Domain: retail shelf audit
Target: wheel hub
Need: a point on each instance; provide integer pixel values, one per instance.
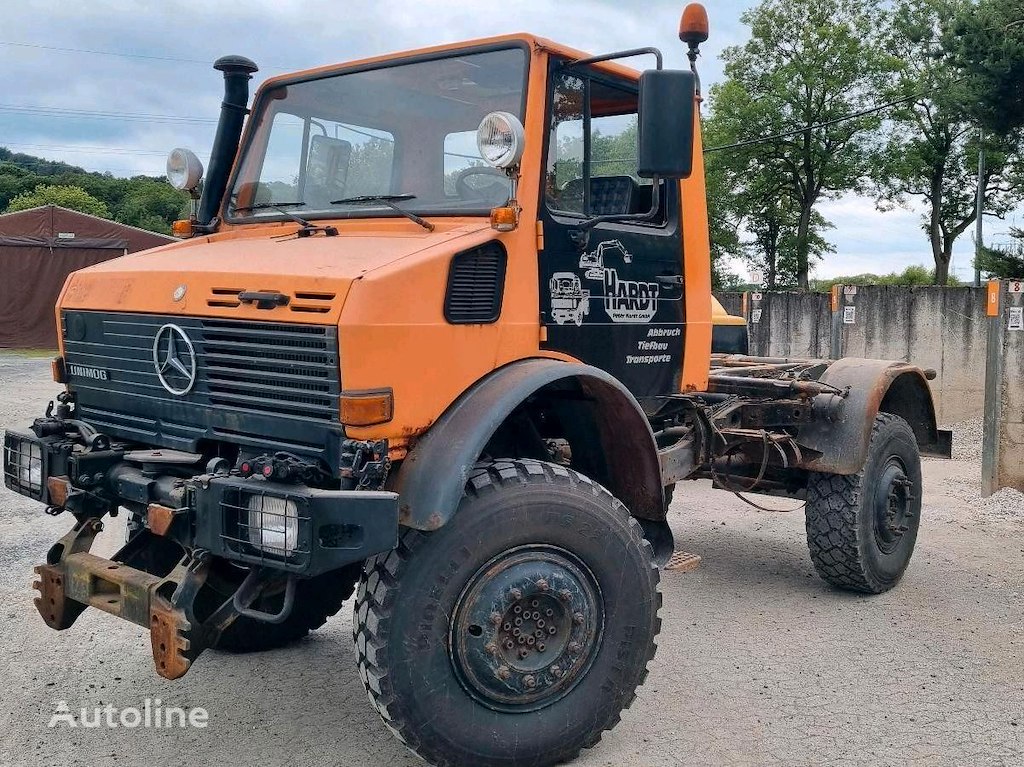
(526, 628)
(893, 505)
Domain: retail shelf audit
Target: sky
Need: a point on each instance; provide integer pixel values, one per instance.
(138, 81)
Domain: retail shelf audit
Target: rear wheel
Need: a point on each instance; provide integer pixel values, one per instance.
(517, 633)
(861, 528)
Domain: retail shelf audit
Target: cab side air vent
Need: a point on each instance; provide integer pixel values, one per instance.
(476, 283)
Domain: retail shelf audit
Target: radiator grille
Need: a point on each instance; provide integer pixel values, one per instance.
(255, 382)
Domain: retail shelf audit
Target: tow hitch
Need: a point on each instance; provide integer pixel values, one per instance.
(73, 579)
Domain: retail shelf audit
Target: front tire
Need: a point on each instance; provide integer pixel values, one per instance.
(517, 633)
(316, 600)
(862, 528)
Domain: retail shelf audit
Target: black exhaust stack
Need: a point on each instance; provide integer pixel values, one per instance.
(238, 71)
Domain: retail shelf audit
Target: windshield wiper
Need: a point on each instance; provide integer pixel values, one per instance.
(389, 200)
(308, 227)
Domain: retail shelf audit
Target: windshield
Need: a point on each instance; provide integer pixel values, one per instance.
(319, 148)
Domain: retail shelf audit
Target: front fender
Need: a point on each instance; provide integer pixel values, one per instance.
(875, 386)
(432, 477)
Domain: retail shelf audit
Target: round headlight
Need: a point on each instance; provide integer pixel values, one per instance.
(273, 524)
(500, 139)
(184, 169)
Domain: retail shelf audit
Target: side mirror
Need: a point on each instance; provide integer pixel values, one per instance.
(666, 106)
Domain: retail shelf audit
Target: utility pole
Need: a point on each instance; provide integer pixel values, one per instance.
(979, 207)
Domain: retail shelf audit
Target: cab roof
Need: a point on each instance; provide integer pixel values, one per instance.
(535, 43)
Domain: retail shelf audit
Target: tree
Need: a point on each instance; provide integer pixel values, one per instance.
(914, 275)
(807, 63)
(932, 148)
(986, 42)
(752, 213)
(73, 197)
(1003, 261)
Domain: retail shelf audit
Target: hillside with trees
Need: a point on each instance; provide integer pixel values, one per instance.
(147, 202)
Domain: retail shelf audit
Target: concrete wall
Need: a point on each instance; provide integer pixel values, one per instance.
(1003, 436)
(939, 328)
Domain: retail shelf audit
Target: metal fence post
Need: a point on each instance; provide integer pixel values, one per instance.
(990, 442)
(835, 341)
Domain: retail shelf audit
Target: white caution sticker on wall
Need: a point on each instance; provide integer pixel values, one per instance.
(1016, 318)
(755, 315)
(849, 315)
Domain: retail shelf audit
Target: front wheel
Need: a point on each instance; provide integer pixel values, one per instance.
(861, 528)
(517, 633)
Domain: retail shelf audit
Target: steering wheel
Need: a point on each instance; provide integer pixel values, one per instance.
(483, 183)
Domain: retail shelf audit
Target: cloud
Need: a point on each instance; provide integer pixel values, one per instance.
(283, 35)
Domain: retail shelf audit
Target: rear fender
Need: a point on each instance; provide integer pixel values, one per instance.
(624, 455)
(875, 386)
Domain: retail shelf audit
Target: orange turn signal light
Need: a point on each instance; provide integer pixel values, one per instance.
(182, 228)
(58, 369)
(504, 219)
(367, 408)
(59, 489)
(694, 27)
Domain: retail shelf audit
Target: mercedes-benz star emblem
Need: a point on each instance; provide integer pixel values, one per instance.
(175, 359)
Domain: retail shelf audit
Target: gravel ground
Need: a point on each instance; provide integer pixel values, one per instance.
(759, 662)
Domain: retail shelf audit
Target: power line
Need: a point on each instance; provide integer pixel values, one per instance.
(103, 53)
(87, 149)
(817, 126)
(120, 54)
(98, 115)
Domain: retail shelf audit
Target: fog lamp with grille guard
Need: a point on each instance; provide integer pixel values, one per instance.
(24, 469)
(273, 524)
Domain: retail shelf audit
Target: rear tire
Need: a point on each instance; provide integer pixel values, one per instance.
(517, 633)
(861, 528)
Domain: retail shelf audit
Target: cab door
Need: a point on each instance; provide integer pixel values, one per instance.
(630, 271)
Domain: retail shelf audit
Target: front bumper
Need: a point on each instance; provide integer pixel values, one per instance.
(277, 532)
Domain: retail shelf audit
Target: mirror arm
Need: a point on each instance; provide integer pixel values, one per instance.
(617, 55)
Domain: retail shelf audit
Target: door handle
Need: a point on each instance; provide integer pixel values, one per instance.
(670, 279)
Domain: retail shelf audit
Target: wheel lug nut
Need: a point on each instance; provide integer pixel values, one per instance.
(574, 647)
(556, 672)
(541, 647)
(504, 672)
(496, 619)
(516, 594)
(491, 648)
(577, 618)
(529, 681)
(542, 585)
(564, 595)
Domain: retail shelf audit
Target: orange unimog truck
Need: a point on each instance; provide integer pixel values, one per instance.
(348, 378)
